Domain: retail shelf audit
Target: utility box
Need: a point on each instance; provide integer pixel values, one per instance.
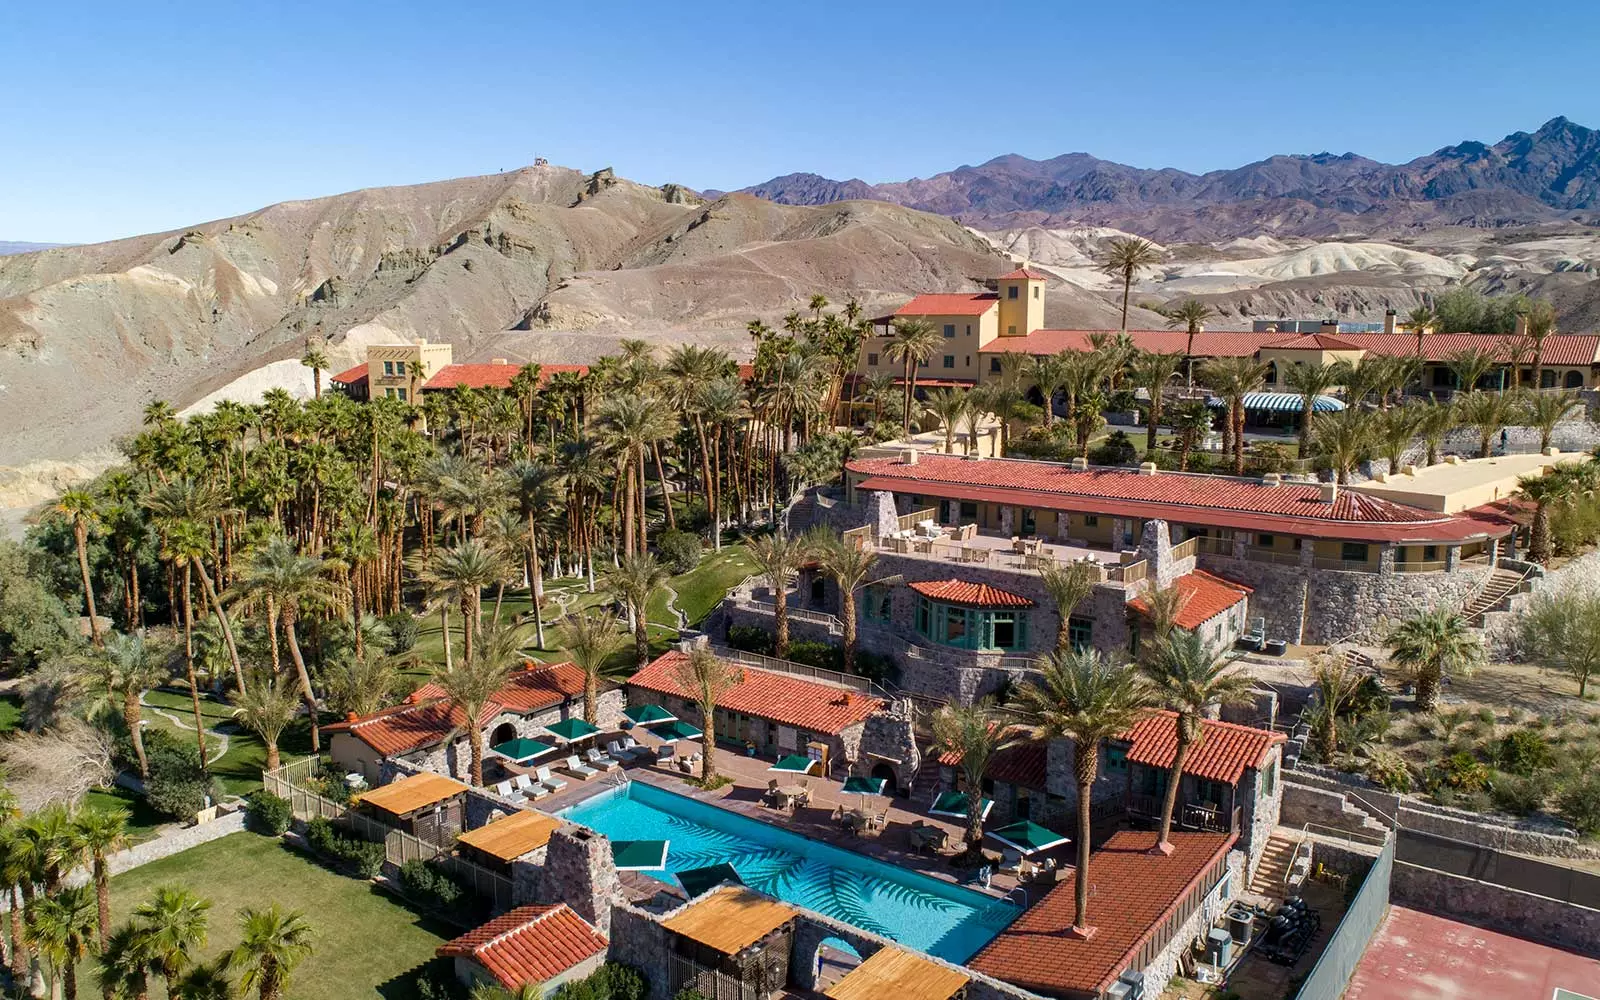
(1219, 946)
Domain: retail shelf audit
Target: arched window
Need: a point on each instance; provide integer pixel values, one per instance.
(1574, 380)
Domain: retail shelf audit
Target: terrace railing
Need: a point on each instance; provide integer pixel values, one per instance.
(1185, 549)
(1424, 566)
(1207, 545)
(1344, 565)
(1257, 554)
(798, 669)
(916, 517)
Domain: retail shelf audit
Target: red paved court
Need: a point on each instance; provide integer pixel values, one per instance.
(1417, 956)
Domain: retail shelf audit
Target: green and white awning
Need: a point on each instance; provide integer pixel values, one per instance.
(571, 730)
(954, 805)
(1279, 402)
(521, 749)
(1026, 837)
(795, 764)
(648, 715)
(639, 855)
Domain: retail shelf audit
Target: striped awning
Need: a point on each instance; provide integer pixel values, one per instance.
(1279, 402)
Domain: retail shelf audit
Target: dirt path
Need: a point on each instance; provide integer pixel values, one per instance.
(216, 743)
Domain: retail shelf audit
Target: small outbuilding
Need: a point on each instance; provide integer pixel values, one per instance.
(542, 945)
(731, 933)
(427, 805)
(496, 844)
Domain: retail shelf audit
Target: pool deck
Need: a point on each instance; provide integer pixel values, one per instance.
(750, 776)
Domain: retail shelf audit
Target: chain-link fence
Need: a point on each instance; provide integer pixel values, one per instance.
(1331, 974)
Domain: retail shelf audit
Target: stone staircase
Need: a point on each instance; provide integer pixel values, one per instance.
(1499, 588)
(926, 784)
(1273, 871)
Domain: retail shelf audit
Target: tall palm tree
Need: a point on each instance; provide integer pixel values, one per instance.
(117, 679)
(1544, 491)
(778, 556)
(634, 423)
(103, 832)
(470, 684)
(318, 362)
(705, 677)
(1085, 699)
(1435, 420)
(60, 930)
(1433, 645)
(914, 342)
(1191, 314)
(1419, 322)
(1488, 411)
(1541, 323)
(1393, 431)
(267, 708)
(458, 575)
(1471, 367)
(1310, 381)
(635, 580)
(186, 544)
(1192, 420)
(271, 943)
(1232, 379)
(1049, 374)
(125, 963)
(1187, 676)
(535, 485)
(949, 405)
(591, 637)
(176, 921)
(974, 733)
(83, 510)
(1546, 409)
(1151, 372)
(849, 567)
(188, 547)
(1342, 439)
(1068, 584)
(206, 981)
(1124, 257)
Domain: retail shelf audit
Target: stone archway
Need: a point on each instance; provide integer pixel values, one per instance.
(502, 733)
(890, 775)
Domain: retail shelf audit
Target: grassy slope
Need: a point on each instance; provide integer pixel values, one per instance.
(239, 769)
(364, 939)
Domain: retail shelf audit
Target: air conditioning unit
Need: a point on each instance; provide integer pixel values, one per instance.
(1134, 980)
(1119, 991)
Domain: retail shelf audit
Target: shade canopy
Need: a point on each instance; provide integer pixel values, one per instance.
(795, 764)
(677, 729)
(954, 804)
(1280, 402)
(861, 785)
(570, 730)
(1026, 837)
(648, 715)
(639, 855)
(698, 880)
(521, 748)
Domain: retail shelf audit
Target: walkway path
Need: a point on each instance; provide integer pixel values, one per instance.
(216, 742)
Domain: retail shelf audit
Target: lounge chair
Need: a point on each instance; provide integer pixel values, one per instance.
(620, 753)
(554, 784)
(529, 789)
(599, 760)
(507, 791)
(630, 745)
(770, 796)
(577, 768)
(1011, 862)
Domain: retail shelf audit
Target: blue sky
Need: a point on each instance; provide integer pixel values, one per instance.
(123, 118)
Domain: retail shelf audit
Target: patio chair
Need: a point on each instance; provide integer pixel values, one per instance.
(543, 774)
(506, 790)
(626, 754)
(577, 768)
(1011, 862)
(529, 788)
(770, 796)
(631, 745)
(599, 760)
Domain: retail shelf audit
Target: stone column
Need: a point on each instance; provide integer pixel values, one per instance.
(1452, 556)
(578, 871)
(1241, 541)
(1005, 519)
(885, 521)
(1119, 530)
(1155, 547)
(1308, 553)
(1386, 554)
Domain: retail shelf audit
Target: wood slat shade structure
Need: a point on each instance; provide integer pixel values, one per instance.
(418, 791)
(895, 972)
(730, 919)
(510, 837)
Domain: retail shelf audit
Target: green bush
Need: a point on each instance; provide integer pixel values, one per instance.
(1268, 456)
(268, 813)
(751, 639)
(402, 630)
(680, 550)
(1116, 449)
(612, 981)
(1464, 773)
(176, 786)
(817, 654)
(1390, 770)
(430, 885)
(1524, 752)
(362, 857)
(1520, 795)
(1578, 802)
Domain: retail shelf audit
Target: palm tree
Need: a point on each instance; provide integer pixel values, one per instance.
(778, 557)
(539, 500)
(1232, 379)
(103, 832)
(1436, 419)
(705, 678)
(206, 981)
(1342, 438)
(318, 362)
(1544, 491)
(1050, 373)
(635, 580)
(60, 929)
(1124, 257)
(849, 567)
(949, 405)
(188, 547)
(591, 637)
(974, 733)
(1335, 683)
(1191, 419)
(459, 575)
(1394, 429)
(83, 510)
(1419, 322)
(267, 708)
(914, 342)
(1186, 676)
(1310, 381)
(1151, 372)
(118, 677)
(1471, 367)
(1541, 323)
(1433, 645)
(1488, 411)
(1088, 700)
(176, 921)
(1546, 409)
(1068, 584)
(1190, 314)
(470, 684)
(271, 943)
(125, 963)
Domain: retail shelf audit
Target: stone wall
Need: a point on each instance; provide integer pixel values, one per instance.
(1160, 972)
(639, 940)
(1260, 809)
(455, 759)
(1522, 914)
(889, 737)
(176, 841)
(578, 871)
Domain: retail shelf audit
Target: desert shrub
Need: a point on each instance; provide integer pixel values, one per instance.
(1268, 456)
(361, 857)
(177, 784)
(751, 639)
(1390, 770)
(432, 886)
(1523, 751)
(612, 981)
(436, 981)
(1116, 449)
(680, 550)
(1485, 716)
(1464, 773)
(1520, 795)
(1578, 802)
(402, 627)
(268, 813)
(817, 654)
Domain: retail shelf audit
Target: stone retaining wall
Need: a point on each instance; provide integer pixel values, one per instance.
(176, 842)
(1497, 907)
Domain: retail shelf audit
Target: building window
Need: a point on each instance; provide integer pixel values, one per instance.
(400, 394)
(949, 329)
(1269, 778)
(1035, 291)
(994, 366)
(923, 363)
(1353, 552)
(1029, 526)
(1080, 633)
(819, 591)
(969, 361)
(972, 628)
(1116, 759)
(388, 367)
(924, 617)
(1574, 380)
(1265, 541)
(969, 512)
(872, 361)
(1271, 377)
(969, 329)
(949, 360)
(1011, 291)
(878, 603)
(1430, 553)
(1091, 520)
(399, 367)
(1011, 330)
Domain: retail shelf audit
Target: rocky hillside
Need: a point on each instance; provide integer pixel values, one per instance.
(1526, 178)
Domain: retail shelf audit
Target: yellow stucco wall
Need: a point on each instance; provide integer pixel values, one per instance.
(1025, 313)
(970, 332)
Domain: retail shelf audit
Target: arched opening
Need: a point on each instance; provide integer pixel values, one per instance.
(1574, 380)
(890, 777)
(502, 733)
(834, 960)
(819, 591)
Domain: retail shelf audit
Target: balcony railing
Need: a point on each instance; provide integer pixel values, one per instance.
(916, 517)
(1207, 545)
(1132, 572)
(1184, 550)
(1424, 566)
(1345, 565)
(1256, 553)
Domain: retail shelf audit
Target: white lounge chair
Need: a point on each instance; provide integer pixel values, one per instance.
(621, 753)
(529, 789)
(577, 768)
(600, 760)
(506, 790)
(554, 784)
(631, 745)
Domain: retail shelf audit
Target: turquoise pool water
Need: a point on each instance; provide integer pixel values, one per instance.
(941, 919)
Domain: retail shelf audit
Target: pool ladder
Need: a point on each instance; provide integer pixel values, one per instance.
(619, 779)
(1015, 891)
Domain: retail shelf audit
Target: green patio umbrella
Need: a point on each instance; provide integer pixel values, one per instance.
(639, 855)
(954, 804)
(648, 715)
(859, 785)
(794, 764)
(677, 729)
(571, 730)
(1027, 837)
(521, 748)
(698, 880)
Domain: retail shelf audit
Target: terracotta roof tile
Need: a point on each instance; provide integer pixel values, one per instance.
(977, 595)
(964, 304)
(1141, 888)
(1207, 344)
(530, 944)
(782, 698)
(1025, 765)
(1024, 272)
(491, 376)
(1312, 342)
(1204, 597)
(1559, 348)
(351, 375)
(1226, 749)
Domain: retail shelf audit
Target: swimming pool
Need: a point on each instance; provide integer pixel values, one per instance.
(941, 919)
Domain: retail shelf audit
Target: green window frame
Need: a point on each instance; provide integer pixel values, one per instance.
(1353, 551)
(1080, 633)
(972, 628)
(877, 603)
(1116, 759)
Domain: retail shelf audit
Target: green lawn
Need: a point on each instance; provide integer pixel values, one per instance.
(239, 769)
(10, 712)
(367, 945)
(142, 820)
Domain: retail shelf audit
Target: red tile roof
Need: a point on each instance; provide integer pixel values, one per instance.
(1225, 751)
(1182, 498)
(530, 944)
(1204, 597)
(1559, 348)
(350, 376)
(1312, 342)
(1025, 765)
(1138, 890)
(1024, 272)
(782, 698)
(977, 595)
(427, 719)
(491, 376)
(964, 304)
(1207, 344)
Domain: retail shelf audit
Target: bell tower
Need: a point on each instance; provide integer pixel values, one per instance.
(1021, 302)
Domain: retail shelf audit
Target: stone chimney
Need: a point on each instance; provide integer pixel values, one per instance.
(1328, 492)
(1148, 468)
(1329, 326)
(909, 456)
(1079, 464)
(1388, 321)
(1155, 547)
(578, 871)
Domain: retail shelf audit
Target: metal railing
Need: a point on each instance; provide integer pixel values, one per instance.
(791, 667)
(1256, 553)
(1331, 974)
(1346, 565)
(1422, 566)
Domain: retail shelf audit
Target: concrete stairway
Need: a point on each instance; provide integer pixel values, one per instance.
(1500, 586)
(926, 784)
(1272, 873)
